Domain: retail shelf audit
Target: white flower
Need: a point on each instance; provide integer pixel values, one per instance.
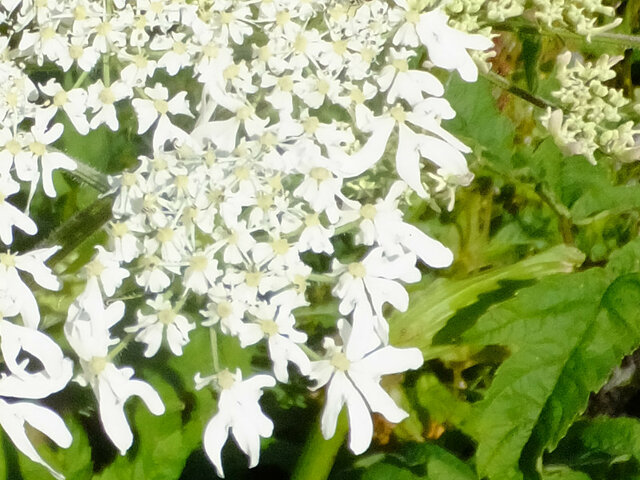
(159, 105)
(73, 103)
(10, 216)
(13, 419)
(447, 46)
(364, 287)
(87, 331)
(407, 84)
(17, 290)
(382, 224)
(50, 160)
(354, 380)
(101, 99)
(19, 382)
(238, 410)
(106, 268)
(150, 328)
(277, 326)
(22, 382)
(202, 271)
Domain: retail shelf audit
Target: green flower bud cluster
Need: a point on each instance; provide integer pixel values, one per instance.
(580, 16)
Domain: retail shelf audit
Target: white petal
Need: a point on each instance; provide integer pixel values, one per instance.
(146, 113)
(430, 251)
(388, 360)
(408, 160)
(360, 424)
(12, 421)
(215, 436)
(113, 418)
(333, 404)
(378, 400)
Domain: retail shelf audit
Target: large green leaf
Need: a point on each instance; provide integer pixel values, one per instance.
(479, 122)
(566, 334)
(433, 304)
(564, 474)
(603, 438)
(423, 460)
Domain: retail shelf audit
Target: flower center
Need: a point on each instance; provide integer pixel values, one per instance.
(106, 96)
(226, 379)
(37, 148)
(269, 327)
(199, 263)
(340, 361)
(167, 316)
(13, 147)
(252, 279)
(60, 98)
(95, 268)
(120, 229)
(312, 220)
(320, 174)
(357, 270)
(368, 211)
(162, 106)
(280, 246)
(7, 259)
(224, 309)
(97, 365)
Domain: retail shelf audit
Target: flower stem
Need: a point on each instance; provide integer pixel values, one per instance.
(318, 455)
(83, 76)
(120, 346)
(506, 85)
(321, 278)
(213, 338)
(618, 39)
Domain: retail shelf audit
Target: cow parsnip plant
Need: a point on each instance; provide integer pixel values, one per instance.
(405, 231)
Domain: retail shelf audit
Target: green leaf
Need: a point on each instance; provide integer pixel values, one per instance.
(478, 120)
(387, 471)
(77, 229)
(610, 200)
(428, 313)
(3, 461)
(577, 188)
(616, 437)
(443, 406)
(566, 334)
(444, 465)
(626, 259)
(435, 460)
(531, 46)
(564, 474)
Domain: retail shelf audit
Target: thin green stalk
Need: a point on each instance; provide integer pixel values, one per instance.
(83, 76)
(318, 455)
(121, 346)
(619, 39)
(213, 338)
(321, 278)
(506, 85)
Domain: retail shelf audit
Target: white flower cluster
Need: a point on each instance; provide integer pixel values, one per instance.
(592, 115)
(255, 158)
